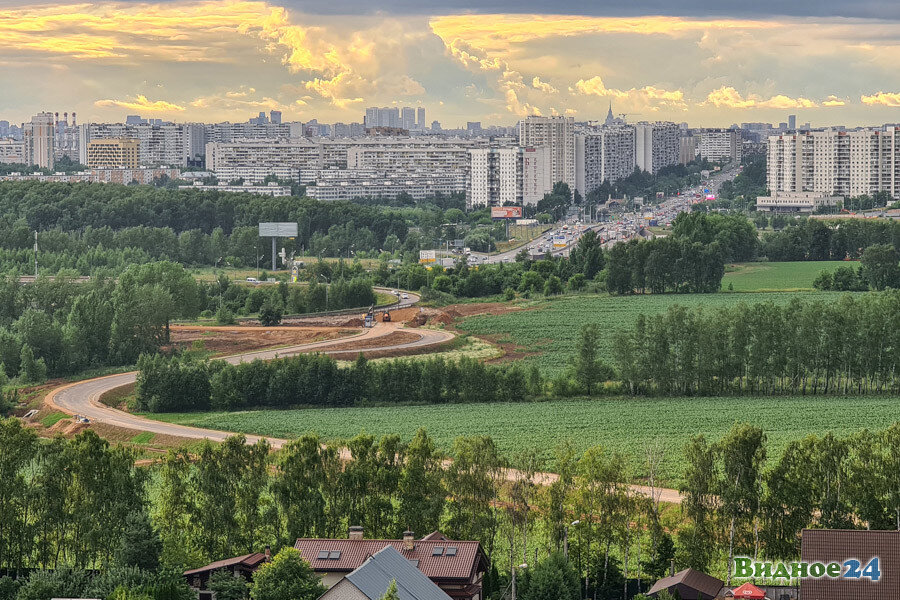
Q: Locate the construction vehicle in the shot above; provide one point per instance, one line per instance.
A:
(386, 317)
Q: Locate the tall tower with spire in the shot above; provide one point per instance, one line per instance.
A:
(610, 119)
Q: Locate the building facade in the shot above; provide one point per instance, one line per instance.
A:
(557, 134)
(39, 141)
(656, 145)
(113, 153)
(603, 154)
(721, 145)
(12, 151)
(835, 162)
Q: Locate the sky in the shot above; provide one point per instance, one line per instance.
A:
(494, 61)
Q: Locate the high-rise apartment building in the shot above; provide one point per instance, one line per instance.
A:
(172, 144)
(507, 175)
(656, 145)
(275, 117)
(12, 151)
(121, 153)
(408, 118)
(557, 134)
(420, 118)
(603, 154)
(687, 148)
(721, 145)
(835, 162)
(792, 122)
(39, 141)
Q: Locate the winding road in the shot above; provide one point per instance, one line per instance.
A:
(83, 397)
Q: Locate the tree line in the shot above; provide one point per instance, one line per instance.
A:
(185, 383)
(847, 345)
(739, 501)
(821, 239)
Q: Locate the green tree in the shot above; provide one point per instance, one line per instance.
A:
(226, 586)
(589, 369)
(881, 266)
(553, 578)
(141, 545)
(391, 592)
(286, 577)
(270, 313)
(421, 491)
(31, 370)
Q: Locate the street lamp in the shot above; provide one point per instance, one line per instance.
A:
(566, 542)
(522, 566)
(327, 281)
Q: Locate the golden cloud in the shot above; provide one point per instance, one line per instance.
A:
(646, 95)
(545, 87)
(832, 101)
(728, 97)
(141, 104)
(882, 98)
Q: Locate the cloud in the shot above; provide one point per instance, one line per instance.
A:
(647, 95)
(882, 98)
(141, 104)
(545, 87)
(728, 97)
(832, 101)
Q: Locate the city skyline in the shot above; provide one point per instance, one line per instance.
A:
(496, 62)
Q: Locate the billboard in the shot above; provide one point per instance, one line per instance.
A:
(277, 230)
(427, 256)
(506, 212)
(559, 241)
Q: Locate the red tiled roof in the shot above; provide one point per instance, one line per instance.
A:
(435, 535)
(469, 558)
(247, 560)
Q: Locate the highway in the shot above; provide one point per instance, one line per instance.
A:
(622, 226)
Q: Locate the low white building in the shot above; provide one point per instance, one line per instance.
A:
(271, 189)
(795, 202)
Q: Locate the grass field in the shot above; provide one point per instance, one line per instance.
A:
(774, 276)
(551, 329)
(627, 425)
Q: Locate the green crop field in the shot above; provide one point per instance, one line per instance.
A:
(627, 425)
(773, 276)
(551, 329)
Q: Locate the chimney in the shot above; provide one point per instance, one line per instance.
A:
(356, 532)
(409, 541)
(268, 553)
(73, 119)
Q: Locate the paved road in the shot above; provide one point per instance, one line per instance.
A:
(83, 398)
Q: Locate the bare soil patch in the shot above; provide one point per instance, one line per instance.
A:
(234, 340)
(391, 339)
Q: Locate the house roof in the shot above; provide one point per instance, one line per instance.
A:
(838, 545)
(250, 561)
(374, 576)
(748, 590)
(437, 558)
(690, 578)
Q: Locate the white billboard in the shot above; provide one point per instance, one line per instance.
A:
(277, 230)
(427, 256)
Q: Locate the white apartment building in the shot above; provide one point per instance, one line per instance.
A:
(175, 144)
(537, 179)
(687, 148)
(656, 145)
(835, 162)
(410, 156)
(557, 134)
(721, 145)
(12, 151)
(507, 175)
(254, 160)
(603, 154)
(230, 132)
(39, 141)
(348, 184)
(271, 189)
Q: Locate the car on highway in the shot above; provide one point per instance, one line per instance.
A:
(404, 296)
